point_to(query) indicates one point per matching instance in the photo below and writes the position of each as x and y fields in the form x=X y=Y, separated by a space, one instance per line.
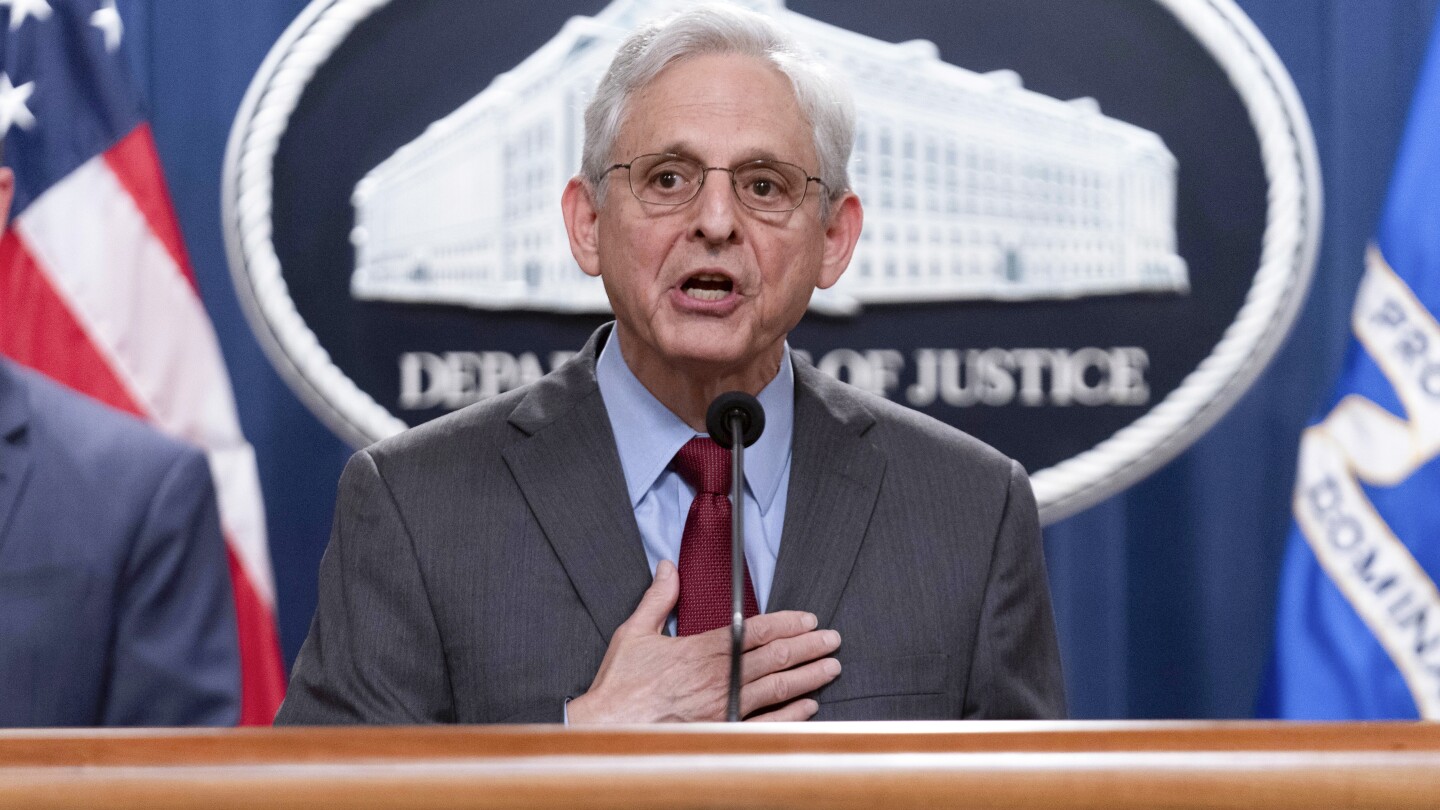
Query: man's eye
x=765 y=185
x=668 y=179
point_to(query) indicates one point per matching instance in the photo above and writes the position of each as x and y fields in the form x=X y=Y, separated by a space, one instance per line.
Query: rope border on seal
x=1289 y=248
x=246 y=207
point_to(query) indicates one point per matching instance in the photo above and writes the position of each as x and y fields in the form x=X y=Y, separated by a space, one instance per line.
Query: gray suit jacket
x=480 y=563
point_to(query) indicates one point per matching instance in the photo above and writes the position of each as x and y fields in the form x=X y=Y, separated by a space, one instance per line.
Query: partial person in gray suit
x=515 y=561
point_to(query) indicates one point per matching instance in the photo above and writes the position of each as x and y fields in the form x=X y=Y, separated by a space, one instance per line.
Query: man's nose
x=717 y=209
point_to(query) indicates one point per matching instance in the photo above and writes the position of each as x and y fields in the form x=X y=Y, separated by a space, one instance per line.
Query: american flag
x=97 y=292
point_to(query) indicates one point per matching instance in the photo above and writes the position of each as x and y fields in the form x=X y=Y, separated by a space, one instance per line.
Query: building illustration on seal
x=974 y=187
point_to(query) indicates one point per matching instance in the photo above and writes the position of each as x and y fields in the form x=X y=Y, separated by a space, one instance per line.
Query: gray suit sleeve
x=1015 y=673
x=175 y=659
x=373 y=654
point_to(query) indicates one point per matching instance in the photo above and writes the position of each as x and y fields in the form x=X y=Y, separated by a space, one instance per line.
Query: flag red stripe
x=38 y=329
x=262 y=672
x=137 y=166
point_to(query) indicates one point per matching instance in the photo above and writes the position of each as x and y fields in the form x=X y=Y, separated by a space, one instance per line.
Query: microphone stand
x=735 y=419
x=737 y=559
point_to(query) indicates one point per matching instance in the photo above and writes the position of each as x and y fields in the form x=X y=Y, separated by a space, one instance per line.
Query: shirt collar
x=648 y=435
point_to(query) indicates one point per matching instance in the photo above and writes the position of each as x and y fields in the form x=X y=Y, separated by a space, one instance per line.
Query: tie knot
x=704 y=465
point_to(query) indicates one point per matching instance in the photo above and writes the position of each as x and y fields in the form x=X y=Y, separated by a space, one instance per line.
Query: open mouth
x=707 y=286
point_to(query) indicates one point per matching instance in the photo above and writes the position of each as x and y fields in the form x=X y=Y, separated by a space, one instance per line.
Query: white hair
x=721 y=29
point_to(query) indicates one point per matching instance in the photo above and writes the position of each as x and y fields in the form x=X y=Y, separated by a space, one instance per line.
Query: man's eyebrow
x=683 y=150
x=763 y=154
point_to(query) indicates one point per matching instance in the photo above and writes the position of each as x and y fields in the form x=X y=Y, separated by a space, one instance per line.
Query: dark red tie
x=705 y=545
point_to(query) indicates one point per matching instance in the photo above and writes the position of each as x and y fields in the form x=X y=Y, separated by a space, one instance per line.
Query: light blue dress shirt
x=648 y=435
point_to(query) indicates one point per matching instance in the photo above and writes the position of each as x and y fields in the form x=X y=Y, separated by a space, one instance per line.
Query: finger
x=656 y=603
x=796 y=711
x=766 y=627
x=784 y=653
x=779 y=687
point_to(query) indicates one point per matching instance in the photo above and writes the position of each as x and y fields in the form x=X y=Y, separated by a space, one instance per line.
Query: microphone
x=735 y=420
x=733 y=404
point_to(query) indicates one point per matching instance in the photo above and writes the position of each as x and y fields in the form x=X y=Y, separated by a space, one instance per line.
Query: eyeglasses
x=772 y=186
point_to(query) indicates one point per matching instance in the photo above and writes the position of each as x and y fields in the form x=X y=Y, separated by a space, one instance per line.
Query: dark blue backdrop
x=1164 y=594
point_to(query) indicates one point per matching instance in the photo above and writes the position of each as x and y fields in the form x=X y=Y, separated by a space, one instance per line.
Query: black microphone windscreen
x=752 y=417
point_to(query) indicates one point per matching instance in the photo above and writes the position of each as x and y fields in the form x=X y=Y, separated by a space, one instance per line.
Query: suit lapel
x=14 y=448
x=834 y=480
x=569 y=472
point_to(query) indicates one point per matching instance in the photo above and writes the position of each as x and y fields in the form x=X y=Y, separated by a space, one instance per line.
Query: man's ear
x=841 y=234
x=582 y=224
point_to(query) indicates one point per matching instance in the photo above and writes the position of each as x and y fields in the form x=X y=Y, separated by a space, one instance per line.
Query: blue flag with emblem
x=1358 y=633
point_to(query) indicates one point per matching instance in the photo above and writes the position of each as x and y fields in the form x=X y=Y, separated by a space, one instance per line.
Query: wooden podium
x=862 y=765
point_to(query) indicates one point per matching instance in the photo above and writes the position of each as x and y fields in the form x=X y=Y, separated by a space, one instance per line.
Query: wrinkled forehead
x=717 y=107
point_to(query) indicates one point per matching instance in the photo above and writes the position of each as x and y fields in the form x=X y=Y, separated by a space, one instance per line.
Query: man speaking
x=560 y=552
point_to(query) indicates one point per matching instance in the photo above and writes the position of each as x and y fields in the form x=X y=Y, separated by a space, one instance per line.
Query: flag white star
x=12 y=105
x=107 y=19
x=20 y=9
